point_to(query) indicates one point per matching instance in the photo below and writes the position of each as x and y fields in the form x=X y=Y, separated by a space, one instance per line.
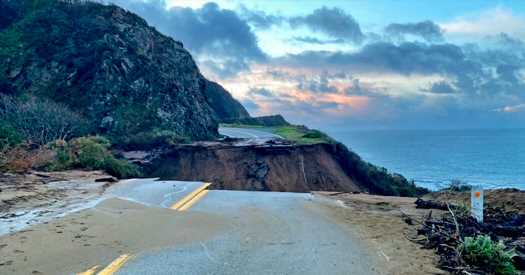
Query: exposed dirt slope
x=275 y=166
x=261 y=168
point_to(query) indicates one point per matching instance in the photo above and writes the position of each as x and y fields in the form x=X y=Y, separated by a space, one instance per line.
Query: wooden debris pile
x=445 y=233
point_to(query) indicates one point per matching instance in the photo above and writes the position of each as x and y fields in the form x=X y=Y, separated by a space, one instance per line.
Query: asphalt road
x=250 y=133
x=144 y=226
x=152 y=192
x=268 y=233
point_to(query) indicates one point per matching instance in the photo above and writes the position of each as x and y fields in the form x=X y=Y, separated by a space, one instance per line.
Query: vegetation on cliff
x=91 y=153
x=110 y=68
x=377 y=180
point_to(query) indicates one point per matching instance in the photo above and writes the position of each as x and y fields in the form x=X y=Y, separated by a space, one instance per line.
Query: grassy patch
x=296 y=133
x=302 y=134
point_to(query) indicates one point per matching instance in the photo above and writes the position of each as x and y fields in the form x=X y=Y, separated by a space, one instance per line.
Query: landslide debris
x=465 y=246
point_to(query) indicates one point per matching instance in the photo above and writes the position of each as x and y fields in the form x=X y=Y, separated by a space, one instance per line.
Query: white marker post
x=476 y=203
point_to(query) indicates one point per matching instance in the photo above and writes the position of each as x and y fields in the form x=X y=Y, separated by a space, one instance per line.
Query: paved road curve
x=247 y=133
x=268 y=233
x=144 y=226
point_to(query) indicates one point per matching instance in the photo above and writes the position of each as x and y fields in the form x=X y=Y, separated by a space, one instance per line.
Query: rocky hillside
x=109 y=66
x=224 y=106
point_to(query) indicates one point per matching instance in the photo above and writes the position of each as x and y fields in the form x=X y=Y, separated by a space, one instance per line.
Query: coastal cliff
x=109 y=66
x=274 y=166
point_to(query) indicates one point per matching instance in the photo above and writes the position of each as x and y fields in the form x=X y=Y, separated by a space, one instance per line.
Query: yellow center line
x=178 y=205
x=193 y=201
x=115 y=265
x=90 y=271
x=182 y=205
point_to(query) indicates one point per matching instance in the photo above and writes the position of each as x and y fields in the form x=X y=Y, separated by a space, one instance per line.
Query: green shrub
x=154 y=139
x=489 y=255
x=314 y=134
x=120 y=168
x=91 y=152
x=64 y=158
x=9 y=136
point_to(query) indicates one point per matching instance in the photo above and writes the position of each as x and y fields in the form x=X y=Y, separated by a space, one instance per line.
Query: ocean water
x=432 y=158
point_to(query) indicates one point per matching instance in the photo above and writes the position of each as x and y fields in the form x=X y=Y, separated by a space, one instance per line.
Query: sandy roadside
x=35 y=197
x=82 y=240
x=378 y=220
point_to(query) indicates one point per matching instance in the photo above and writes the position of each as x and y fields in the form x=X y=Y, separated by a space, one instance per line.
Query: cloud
x=318 y=84
x=489 y=22
x=506 y=41
x=465 y=82
x=219 y=38
x=314 y=40
x=260 y=92
x=407 y=58
x=427 y=30
x=441 y=87
x=260 y=19
x=512 y=109
x=332 y=21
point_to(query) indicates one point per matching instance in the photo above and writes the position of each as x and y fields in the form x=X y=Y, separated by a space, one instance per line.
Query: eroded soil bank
x=255 y=167
x=272 y=166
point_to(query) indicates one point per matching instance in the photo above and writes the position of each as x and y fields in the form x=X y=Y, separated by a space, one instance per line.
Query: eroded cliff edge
x=274 y=166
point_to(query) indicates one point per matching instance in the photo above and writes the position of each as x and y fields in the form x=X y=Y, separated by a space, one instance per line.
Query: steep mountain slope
x=223 y=104
x=111 y=67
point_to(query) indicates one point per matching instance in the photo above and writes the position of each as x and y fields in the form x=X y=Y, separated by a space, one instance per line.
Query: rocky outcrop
x=109 y=65
x=223 y=105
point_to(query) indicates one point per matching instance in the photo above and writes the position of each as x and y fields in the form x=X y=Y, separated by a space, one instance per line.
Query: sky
x=379 y=64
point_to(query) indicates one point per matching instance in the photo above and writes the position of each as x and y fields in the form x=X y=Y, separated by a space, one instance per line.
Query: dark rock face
x=109 y=65
x=224 y=106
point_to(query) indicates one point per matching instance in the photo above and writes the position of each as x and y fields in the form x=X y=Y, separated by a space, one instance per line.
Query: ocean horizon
x=492 y=158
